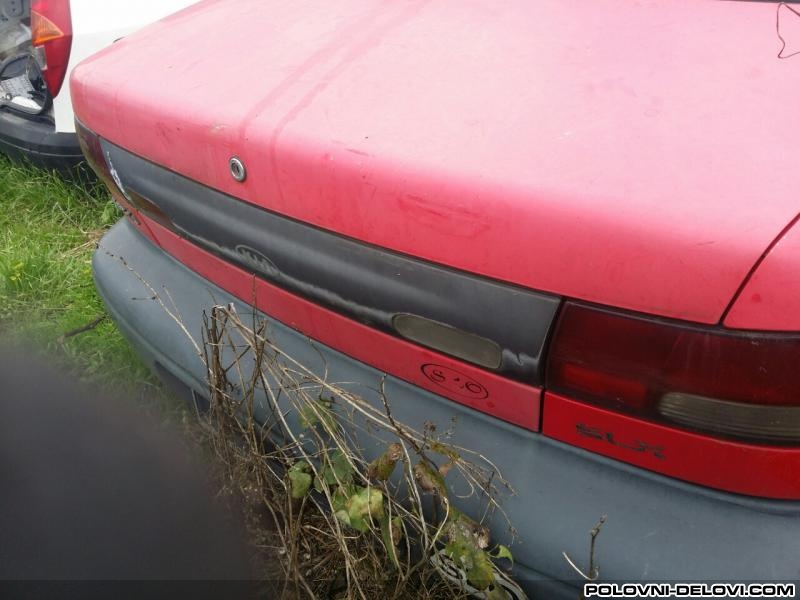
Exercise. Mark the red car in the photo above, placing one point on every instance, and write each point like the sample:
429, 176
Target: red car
571, 224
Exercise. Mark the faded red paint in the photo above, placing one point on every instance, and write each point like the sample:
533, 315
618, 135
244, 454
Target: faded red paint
639, 155
771, 298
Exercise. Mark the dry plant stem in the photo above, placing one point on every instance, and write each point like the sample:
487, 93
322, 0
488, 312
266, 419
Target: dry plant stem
380, 419
83, 329
594, 570
286, 375
254, 340
301, 528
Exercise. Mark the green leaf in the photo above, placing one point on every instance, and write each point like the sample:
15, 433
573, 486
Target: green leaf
461, 527
481, 575
336, 471
358, 523
299, 479
503, 552
339, 499
318, 412
392, 535
472, 561
364, 504
343, 516
341, 468
461, 553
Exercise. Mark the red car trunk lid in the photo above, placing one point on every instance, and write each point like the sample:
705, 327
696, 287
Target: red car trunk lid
634, 155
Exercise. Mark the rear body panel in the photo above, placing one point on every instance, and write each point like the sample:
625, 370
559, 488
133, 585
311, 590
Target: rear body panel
658, 528
348, 295
365, 283
527, 143
513, 399
500, 157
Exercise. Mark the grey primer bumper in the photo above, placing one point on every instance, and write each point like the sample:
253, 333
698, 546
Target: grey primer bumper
658, 528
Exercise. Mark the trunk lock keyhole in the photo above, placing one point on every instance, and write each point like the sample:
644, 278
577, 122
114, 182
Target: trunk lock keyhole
238, 172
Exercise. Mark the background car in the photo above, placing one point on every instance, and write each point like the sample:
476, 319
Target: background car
40, 42
571, 227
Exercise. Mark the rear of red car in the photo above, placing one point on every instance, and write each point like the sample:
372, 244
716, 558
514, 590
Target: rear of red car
571, 227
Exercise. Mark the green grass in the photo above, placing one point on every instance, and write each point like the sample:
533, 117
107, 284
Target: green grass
48, 230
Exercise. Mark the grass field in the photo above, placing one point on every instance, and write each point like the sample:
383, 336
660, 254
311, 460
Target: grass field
48, 231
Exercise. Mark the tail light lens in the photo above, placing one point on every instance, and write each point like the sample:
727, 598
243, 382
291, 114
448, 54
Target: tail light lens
51, 37
727, 384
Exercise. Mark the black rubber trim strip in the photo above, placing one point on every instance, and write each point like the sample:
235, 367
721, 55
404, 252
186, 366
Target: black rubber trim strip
364, 282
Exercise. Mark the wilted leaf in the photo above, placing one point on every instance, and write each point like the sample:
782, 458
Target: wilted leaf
462, 527
429, 479
381, 468
445, 468
445, 450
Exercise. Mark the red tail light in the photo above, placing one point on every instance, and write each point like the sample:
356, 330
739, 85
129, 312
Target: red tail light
729, 384
712, 406
51, 34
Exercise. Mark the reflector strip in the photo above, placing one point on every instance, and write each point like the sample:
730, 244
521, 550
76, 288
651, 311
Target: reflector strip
754, 421
461, 344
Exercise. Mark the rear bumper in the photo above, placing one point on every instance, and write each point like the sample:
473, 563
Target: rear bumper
658, 528
37, 141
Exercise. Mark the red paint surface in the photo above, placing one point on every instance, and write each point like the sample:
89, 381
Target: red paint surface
638, 155
463, 383
768, 472
771, 298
